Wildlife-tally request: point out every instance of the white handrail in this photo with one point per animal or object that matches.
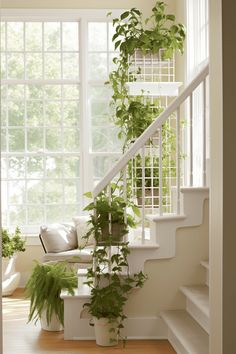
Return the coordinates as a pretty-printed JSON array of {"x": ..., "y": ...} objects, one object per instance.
[{"x": 139, "y": 143}]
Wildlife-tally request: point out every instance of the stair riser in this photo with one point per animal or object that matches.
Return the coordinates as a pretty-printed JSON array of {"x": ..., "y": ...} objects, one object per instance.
[
  {"x": 163, "y": 232},
  {"x": 198, "y": 315},
  {"x": 176, "y": 343}
]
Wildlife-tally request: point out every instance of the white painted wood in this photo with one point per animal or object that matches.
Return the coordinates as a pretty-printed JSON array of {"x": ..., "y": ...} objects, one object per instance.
[
  {"x": 197, "y": 303},
  {"x": 140, "y": 142},
  {"x": 186, "y": 336},
  {"x": 170, "y": 89},
  {"x": 163, "y": 228},
  {"x": 205, "y": 264}
]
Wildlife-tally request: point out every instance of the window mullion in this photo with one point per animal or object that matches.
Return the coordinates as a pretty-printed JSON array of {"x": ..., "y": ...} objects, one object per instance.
[{"x": 85, "y": 160}]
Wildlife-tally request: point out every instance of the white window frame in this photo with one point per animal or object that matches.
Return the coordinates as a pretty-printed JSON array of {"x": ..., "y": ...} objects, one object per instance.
[
  {"x": 82, "y": 16},
  {"x": 197, "y": 56}
]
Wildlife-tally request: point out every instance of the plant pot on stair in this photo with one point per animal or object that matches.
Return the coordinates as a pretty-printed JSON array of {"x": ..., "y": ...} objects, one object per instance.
[
  {"x": 44, "y": 288},
  {"x": 11, "y": 244}
]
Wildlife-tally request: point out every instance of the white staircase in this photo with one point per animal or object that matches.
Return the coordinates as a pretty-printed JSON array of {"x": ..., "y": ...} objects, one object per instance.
[
  {"x": 156, "y": 238},
  {"x": 188, "y": 330}
]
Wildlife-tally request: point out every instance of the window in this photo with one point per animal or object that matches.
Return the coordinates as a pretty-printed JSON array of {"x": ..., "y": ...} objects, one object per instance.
[
  {"x": 57, "y": 136},
  {"x": 197, "y": 57}
]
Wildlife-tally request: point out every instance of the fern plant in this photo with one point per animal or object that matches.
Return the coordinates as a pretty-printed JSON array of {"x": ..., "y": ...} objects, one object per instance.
[{"x": 44, "y": 287}]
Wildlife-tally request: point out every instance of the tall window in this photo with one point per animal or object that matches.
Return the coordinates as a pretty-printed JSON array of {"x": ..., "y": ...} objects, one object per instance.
[
  {"x": 197, "y": 57},
  {"x": 57, "y": 139}
]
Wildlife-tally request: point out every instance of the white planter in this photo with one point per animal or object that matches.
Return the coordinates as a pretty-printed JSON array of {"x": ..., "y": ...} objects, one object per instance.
[
  {"x": 104, "y": 337},
  {"x": 10, "y": 278},
  {"x": 54, "y": 325}
]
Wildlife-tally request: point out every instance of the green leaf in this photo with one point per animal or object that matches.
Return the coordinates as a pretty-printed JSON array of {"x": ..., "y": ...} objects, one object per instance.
[
  {"x": 88, "y": 195},
  {"x": 124, "y": 15}
]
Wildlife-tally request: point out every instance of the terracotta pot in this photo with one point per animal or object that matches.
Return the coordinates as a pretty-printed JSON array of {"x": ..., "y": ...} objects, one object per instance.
[{"x": 117, "y": 231}]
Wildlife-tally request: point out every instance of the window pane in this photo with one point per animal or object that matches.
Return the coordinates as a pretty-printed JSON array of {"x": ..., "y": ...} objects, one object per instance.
[
  {"x": 71, "y": 139},
  {"x": 97, "y": 36},
  {"x": 16, "y": 167},
  {"x": 70, "y": 113},
  {"x": 35, "y": 192},
  {"x": 16, "y": 139},
  {"x": 105, "y": 139},
  {"x": 70, "y": 36},
  {"x": 52, "y": 113},
  {"x": 34, "y": 113},
  {"x": 16, "y": 92},
  {"x": 54, "y": 167},
  {"x": 71, "y": 192},
  {"x": 16, "y": 215},
  {"x": 71, "y": 91},
  {"x": 35, "y": 215},
  {"x": 3, "y": 140},
  {"x": 53, "y": 139},
  {"x": 102, "y": 164},
  {"x": 2, "y": 39},
  {"x": 34, "y": 66},
  {"x": 3, "y": 113},
  {"x": 17, "y": 192},
  {"x": 34, "y": 92},
  {"x": 3, "y": 66},
  {"x": 35, "y": 167},
  {"x": 15, "y": 36},
  {"x": 98, "y": 66},
  {"x": 52, "y": 66},
  {"x": 3, "y": 170},
  {"x": 70, "y": 211},
  {"x": 16, "y": 112},
  {"x": 71, "y": 167},
  {"x": 70, "y": 66},
  {"x": 54, "y": 191},
  {"x": 15, "y": 66},
  {"x": 54, "y": 213},
  {"x": 52, "y": 92},
  {"x": 35, "y": 139},
  {"x": 52, "y": 36},
  {"x": 33, "y": 36}
]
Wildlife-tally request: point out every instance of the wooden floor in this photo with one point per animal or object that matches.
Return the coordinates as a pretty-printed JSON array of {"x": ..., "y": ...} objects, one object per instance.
[{"x": 22, "y": 338}]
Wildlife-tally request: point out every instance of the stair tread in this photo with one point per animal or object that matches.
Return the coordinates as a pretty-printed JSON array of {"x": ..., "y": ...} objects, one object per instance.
[
  {"x": 84, "y": 291},
  {"x": 192, "y": 337},
  {"x": 205, "y": 264},
  {"x": 194, "y": 189},
  {"x": 199, "y": 295},
  {"x": 168, "y": 216}
]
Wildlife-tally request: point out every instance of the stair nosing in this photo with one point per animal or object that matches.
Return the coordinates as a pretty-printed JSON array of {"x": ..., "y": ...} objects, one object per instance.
[{"x": 193, "y": 298}]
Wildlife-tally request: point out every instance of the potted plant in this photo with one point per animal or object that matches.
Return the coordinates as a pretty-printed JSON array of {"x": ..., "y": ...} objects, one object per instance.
[
  {"x": 44, "y": 288},
  {"x": 133, "y": 114},
  {"x": 11, "y": 245},
  {"x": 111, "y": 285},
  {"x": 108, "y": 222},
  {"x": 109, "y": 276}
]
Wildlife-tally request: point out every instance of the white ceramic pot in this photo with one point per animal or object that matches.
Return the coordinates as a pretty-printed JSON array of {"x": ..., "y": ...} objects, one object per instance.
[
  {"x": 54, "y": 325},
  {"x": 105, "y": 337},
  {"x": 10, "y": 278}
]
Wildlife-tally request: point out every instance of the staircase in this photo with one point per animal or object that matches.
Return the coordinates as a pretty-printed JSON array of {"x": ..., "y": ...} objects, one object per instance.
[
  {"x": 155, "y": 239},
  {"x": 188, "y": 330}
]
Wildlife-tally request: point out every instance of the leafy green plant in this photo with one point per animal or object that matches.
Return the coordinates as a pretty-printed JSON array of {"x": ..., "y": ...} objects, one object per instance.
[
  {"x": 44, "y": 287},
  {"x": 111, "y": 284},
  {"x": 110, "y": 210},
  {"x": 134, "y": 114},
  {"x": 12, "y": 243}
]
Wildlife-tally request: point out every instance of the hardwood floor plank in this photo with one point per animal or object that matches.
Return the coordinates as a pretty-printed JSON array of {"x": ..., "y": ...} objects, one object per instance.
[{"x": 20, "y": 337}]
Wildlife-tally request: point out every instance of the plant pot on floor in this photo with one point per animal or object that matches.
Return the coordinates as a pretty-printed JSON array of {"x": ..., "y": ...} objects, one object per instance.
[
  {"x": 106, "y": 332},
  {"x": 10, "y": 278},
  {"x": 54, "y": 324}
]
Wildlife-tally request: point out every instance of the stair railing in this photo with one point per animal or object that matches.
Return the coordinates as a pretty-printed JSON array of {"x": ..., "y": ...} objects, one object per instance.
[{"x": 152, "y": 146}]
